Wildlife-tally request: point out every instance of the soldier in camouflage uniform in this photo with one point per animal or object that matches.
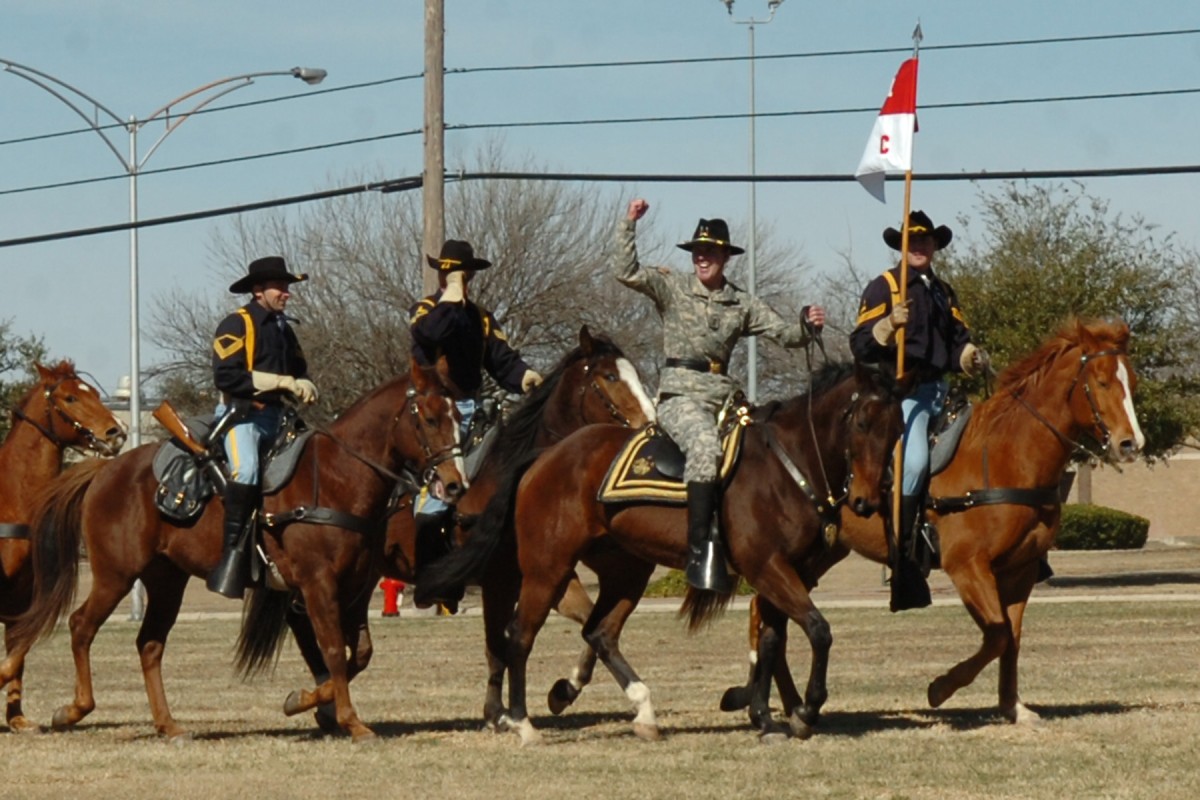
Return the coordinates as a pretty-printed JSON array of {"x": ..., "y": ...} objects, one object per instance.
[{"x": 703, "y": 317}]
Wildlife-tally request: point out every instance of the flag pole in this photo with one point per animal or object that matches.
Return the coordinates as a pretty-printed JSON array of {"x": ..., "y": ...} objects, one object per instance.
[{"x": 898, "y": 468}]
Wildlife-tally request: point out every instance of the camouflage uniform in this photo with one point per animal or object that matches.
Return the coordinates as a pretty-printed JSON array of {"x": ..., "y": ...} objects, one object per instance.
[{"x": 703, "y": 325}]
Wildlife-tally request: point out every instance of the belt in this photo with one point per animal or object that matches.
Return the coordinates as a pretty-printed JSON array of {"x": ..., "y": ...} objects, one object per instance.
[{"x": 697, "y": 364}]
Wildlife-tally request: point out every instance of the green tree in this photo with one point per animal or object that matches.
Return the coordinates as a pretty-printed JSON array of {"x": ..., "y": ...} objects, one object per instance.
[
  {"x": 17, "y": 355},
  {"x": 1045, "y": 253}
]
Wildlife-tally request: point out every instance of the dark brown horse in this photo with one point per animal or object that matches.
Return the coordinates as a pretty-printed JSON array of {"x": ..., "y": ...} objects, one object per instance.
[
  {"x": 831, "y": 443},
  {"x": 407, "y": 423},
  {"x": 60, "y": 411},
  {"x": 996, "y": 506},
  {"x": 592, "y": 383}
]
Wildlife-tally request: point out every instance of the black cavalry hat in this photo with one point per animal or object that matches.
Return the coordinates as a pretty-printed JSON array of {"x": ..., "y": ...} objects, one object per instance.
[
  {"x": 919, "y": 224},
  {"x": 711, "y": 231},
  {"x": 263, "y": 270},
  {"x": 457, "y": 255}
]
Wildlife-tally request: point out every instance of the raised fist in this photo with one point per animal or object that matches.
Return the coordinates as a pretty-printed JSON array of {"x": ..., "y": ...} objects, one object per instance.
[{"x": 638, "y": 208}]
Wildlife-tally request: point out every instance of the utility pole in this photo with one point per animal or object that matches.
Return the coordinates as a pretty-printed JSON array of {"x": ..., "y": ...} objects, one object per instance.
[{"x": 433, "y": 190}]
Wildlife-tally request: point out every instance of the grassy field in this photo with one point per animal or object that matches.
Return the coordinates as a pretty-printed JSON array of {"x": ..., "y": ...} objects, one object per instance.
[{"x": 1116, "y": 683}]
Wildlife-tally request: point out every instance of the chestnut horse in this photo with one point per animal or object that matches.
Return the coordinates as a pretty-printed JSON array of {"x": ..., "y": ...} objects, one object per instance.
[
  {"x": 592, "y": 383},
  {"x": 407, "y": 423},
  {"x": 834, "y": 442},
  {"x": 60, "y": 410},
  {"x": 995, "y": 507}
]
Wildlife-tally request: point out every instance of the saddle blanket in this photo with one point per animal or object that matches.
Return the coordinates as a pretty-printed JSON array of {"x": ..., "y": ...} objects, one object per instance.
[{"x": 649, "y": 469}]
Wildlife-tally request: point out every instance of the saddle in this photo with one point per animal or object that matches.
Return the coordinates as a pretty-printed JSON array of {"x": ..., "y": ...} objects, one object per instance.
[
  {"x": 649, "y": 468},
  {"x": 186, "y": 481}
]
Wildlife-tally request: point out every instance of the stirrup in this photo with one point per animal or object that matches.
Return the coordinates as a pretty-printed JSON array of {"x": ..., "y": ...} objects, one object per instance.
[{"x": 706, "y": 569}]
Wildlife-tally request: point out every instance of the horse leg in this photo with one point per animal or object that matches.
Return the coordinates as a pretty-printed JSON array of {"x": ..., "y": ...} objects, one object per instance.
[
  {"x": 302, "y": 700},
  {"x": 976, "y": 586},
  {"x": 736, "y": 698},
  {"x": 620, "y": 590},
  {"x": 786, "y": 597},
  {"x": 320, "y": 597},
  {"x": 575, "y": 604},
  {"x": 499, "y": 591},
  {"x": 1010, "y": 698},
  {"x": 84, "y": 624},
  {"x": 17, "y": 721},
  {"x": 165, "y": 584},
  {"x": 539, "y": 590}
]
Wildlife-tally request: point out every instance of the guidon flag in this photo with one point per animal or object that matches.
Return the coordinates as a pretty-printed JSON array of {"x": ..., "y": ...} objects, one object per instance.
[{"x": 890, "y": 147}]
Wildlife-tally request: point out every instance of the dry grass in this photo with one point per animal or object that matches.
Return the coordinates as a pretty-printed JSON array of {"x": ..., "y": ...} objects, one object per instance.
[{"x": 1115, "y": 682}]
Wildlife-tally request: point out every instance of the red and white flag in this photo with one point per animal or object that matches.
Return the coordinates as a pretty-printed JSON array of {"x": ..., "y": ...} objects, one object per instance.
[{"x": 890, "y": 147}]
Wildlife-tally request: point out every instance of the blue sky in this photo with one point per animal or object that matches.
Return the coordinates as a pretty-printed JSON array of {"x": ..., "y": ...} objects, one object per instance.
[{"x": 134, "y": 56}]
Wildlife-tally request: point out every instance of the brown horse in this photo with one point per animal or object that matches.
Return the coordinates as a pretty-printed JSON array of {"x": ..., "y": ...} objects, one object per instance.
[
  {"x": 592, "y": 383},
  {"x": 832, "y": 443},
  {"x": 407, "y": 423},
  {"x": 61, "y": 410},
  {"x": 995, "y": 507}
]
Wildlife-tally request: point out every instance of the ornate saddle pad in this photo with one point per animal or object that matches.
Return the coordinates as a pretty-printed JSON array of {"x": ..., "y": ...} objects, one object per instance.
[
  {"x": 944, "y": 443},
  {"x": 185, "y": 485},
  {"x": 649, "y": 469}
]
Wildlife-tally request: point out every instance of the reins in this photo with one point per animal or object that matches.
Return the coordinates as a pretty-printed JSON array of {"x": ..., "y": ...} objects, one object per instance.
[{"x": 47, "y": 430}]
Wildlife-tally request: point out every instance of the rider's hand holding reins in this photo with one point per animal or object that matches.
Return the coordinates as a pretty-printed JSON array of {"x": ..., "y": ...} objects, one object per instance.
[
  {"x": 814, "y": 318},
  {"x": 304, "y": 389},
  {"x": 885, "y": 330},
  {"x": 973, "y": 360}
]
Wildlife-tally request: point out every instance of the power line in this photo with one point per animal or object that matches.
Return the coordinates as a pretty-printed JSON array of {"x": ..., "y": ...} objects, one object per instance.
[
  {"x": 603, "y": 121},
  {"x": 415, "y": 182}
]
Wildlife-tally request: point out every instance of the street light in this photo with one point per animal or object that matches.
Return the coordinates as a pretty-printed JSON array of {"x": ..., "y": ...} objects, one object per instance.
[
  {"x": 772, "y": 7},
  {"x": 133, "y": 165}
]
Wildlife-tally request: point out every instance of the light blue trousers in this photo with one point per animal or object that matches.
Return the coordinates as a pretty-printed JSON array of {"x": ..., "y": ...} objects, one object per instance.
[
  {"x": 925, "y": 403},
  {"x": 245, "y": 442}
]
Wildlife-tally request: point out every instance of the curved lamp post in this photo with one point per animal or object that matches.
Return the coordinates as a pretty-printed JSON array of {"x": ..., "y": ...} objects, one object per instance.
[
  {"x": 752, "y": 370},
  {"x": 78, "y": 101}
]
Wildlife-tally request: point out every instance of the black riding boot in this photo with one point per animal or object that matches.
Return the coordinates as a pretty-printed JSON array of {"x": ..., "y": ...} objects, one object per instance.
[
  {"x": 706, "y": 568},
  {"x": 909, "y": 588},
  {"x": 434, "y": 532},
  {"x": 229, "y": 577}
]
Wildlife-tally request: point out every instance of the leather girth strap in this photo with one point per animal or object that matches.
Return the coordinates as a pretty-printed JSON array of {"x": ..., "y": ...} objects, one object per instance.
[
  {"x": 1041, "y": 496},
  {"x": 321, "y": 516}
]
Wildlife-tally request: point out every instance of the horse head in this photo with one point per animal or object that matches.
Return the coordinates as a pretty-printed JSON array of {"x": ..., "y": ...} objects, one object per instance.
[
  {"x": 430, "y": 433},
  {"x": 873, "y": 426},
  {"x": 606, "y": 383},
  {"x": 1101, "y": 394},
  {"x": 69, "y": 412}
]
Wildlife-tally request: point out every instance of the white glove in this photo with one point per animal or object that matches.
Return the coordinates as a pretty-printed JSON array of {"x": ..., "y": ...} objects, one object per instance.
[
  {"x": 972, "y": 360},
  {"x": 885, "y": 330},
  {"x": 306, "y": 390},
  {"x": 530, "y": 381},
  {"x": 453, "y": 293}
]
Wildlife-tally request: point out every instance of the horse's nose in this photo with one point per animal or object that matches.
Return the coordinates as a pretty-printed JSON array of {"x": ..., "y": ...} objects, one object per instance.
[
  {"x": 116, "y": 435},
  {"x": 454, "y": 490},
  {"x": 861, "y": 506},
  {"x": 1127, "y": 449}
]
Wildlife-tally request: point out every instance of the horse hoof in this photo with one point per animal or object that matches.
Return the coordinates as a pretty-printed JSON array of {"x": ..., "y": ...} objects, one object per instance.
[
  {"x": 365, "y": 736},
  {"x": 801, "y": 729},
  {"x": 1020, "y": 714},
  {"x": 24, "y": 725},
  {"x": 647, "y": 733},
  {"x": 735, "y": 698},
  {"x": 181, "y": 739},
  {"x": 562, "y": 695},
  {"x": 938, "y": 693},
  {"x": 294, "y": 704},
  {"x": 62, "y": 719},
  {"x": 530, "y": 736}
]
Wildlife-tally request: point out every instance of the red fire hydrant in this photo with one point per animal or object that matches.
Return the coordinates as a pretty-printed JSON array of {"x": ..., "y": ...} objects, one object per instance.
[{"x": 393, "y": 596}]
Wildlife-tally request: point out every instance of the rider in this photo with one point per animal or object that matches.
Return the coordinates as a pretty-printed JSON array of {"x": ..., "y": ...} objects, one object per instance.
[
  {"x": 448, "y": 324},
  {"x": 257, "y": 362},
  {"x": 703, "y": 316},
  {"x": 936, "y": 341}
]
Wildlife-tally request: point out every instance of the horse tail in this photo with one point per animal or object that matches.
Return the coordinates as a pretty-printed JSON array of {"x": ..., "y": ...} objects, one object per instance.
[
  {"x": 264, "y": 627},
  {"x": 55, "y": 531},
  {"x": 701, "y": 607},
  {"x": 485, "y": 533}
]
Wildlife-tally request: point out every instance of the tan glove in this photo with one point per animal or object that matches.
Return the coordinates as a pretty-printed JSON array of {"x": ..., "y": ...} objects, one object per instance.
[
  {"x": 303, "y": 389},
  {"x": 530, "y": 381},
  {"x": 972, "y": 360},
  {"x": 455, "y": 283},
  {"x": 885, "y": 330}
]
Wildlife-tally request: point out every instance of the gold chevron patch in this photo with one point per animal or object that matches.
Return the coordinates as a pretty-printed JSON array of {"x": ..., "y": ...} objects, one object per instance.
[{"x": 227, "y": 345}]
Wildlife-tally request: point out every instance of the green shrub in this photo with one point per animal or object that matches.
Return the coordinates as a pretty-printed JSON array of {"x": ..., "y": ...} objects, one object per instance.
[
  {"x": 1089, "y": 527},
  {"x": 674, "y": 584}
]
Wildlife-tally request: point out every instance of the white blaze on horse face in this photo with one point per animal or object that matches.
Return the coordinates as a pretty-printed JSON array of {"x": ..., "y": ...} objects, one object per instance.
[
  {"x": 630, "y": 378},
  {"x": 1123, "y": 376}
]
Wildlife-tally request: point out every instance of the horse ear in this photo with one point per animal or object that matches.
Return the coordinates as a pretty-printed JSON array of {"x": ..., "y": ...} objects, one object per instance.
[
  {"x": 420, "y": 377},
  {"x": 44, "y": 373},
  {"x": 585, "y": 341}
]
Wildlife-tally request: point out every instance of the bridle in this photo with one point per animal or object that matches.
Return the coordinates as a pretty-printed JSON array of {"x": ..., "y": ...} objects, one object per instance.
[
  {"x": 92, "y": 441},
  {"x": 609, "y": 405},
  {"x": 1073, "y": 446},
  {"x": 431, "y": 458}
]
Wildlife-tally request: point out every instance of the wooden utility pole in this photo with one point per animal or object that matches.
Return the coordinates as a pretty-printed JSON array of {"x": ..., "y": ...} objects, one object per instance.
[{"x": 433, "y": 191}]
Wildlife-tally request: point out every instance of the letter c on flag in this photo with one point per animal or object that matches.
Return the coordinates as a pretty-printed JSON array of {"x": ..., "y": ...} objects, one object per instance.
[{"x": 883, "y": 143}]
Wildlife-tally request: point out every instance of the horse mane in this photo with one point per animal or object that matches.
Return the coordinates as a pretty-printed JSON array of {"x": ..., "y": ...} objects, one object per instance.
[
  {"x": 61, "y": 371},
  {"x": 1075, "y": 332},
  {"x": 516, "y": 435},
  {"x": 821, "y": 380}
]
